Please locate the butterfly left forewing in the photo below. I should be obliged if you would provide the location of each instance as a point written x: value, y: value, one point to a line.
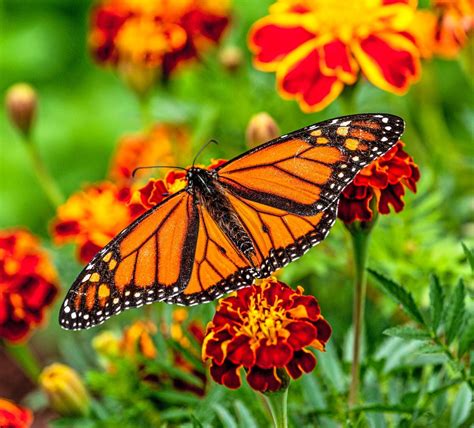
x: 305, y: 172
x: 148, y: 261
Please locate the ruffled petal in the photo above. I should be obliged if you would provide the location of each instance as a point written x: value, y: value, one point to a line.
x: 390, y: 61
x: 263, y: 379
x: 302, y: 362
x: 273, y: 355
x: 301, y: 334
x: 226, y: 374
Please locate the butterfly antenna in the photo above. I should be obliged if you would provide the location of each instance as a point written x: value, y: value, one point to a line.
x: 155, y: 166
x: 202, y: 149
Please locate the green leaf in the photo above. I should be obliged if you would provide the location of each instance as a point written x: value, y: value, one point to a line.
x: 469, y: 255
x: 466, y: 338
x: 430, y: 348
x: 461, y: 406
x: 454, y: 313
x: 400, y: 295
x: 224, y: 416
x: 436, y: 300
x: 245, y: 417
x: 406, y: 332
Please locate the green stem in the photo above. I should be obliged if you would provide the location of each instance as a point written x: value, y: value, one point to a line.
x: 25, y: 359
x: 277, y: 402
x: 45, y: 180
x: 360, y: 242
x: 145, y: 111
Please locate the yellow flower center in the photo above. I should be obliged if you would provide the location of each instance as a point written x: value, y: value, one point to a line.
x: 264, y: 321
x: 348, y: 19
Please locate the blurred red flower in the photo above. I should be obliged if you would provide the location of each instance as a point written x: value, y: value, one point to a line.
x: 155, y: 34
x: 14, y: 416
x: 266, y: 329
x: 385, y: 180
x: 85, y: 218
x: 28, y: 284
x: 317, y: 47
x: 157, y: 146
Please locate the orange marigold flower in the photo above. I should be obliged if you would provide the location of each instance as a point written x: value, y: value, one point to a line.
x: 266, y: 329
x: 14, y: 416
x: 155, y: 33
x: 85, y: 219
x: 316, y: 47
x: 153, y: 192
x: 137, y: 340
x: 150, y: 148
x: 385, y: 180
x: 28, y: 284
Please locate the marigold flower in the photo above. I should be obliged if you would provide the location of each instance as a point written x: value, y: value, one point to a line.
x: 137, y: 340
x: 28, y: 284
x: 444, y: 29
x: 65, y: 390
x: 85, y: 219
x: 266, y: 329
x: 316, y: 47
x: 155, y: 34
x: 14, y: 416
x: 21, y: 103
x: 150, y: 148
x: 379, y: 186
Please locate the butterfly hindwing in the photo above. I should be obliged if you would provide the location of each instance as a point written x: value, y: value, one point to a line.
x: 139, y: 266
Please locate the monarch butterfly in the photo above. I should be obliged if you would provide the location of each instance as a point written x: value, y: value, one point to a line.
x: 243, y: 220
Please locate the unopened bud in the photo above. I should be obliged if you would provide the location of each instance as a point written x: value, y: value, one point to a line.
x: 106, y: 344
x: 20, y: 103
x: 261, y: 128
x: 66, y: 392
x: 231, y: 58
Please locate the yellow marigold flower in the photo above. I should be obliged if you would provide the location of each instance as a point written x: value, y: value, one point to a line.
x: 66, y: 392
x: 316, y: 47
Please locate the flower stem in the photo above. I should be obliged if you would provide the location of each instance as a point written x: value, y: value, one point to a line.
x: 360, y: 242
x: 45, y: 180
x: 145, y: 110
x: 277, y: 402
x: 25, y: 359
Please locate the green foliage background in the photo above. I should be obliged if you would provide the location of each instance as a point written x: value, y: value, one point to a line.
x: 84, y: 109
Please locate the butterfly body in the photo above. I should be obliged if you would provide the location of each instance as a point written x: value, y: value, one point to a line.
x: 241, y: 221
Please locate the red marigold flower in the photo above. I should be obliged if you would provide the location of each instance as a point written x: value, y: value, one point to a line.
x: 14, y: 416
x: 317, y: 47
x: 85, y: 219
x: 385, y: 180
x: 28, y: 284
x: 266, y: 329
x: 155, y: 34
x: 150, y: 148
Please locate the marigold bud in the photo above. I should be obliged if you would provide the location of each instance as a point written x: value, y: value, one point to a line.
x: 66, y: 392
x: 106, y: 344
x: 231, y: 58
x: 261, y: 128
x: 20, y: 103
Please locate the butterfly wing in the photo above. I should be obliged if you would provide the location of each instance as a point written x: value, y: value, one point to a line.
x: 278, y: 237
x: 305, y: 172
x: 151, y: 260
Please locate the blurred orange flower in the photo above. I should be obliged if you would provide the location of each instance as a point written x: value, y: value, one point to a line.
x: 157, y: 146
x: 445, y: 29
x: 137, y: 340
x: 85, y: 218
x: 385, y: 180
x: 14, y: 416
x: 28, y: 283
x: 155, y: 33
x: 316, y: 47
x: 266, y: 329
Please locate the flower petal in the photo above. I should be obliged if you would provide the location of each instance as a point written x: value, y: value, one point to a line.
x: 263, y: 379
x: 303, y: 361
x: 337, y: 61
x: 390, y: 61
x: 300, y: 77
x: 269, y: 356
x: 226, y: 374
x: 240, y: 352
x: 301, y: 334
